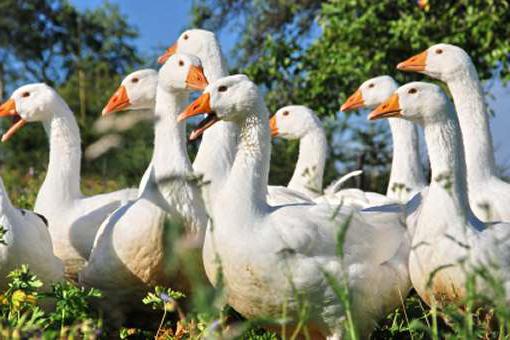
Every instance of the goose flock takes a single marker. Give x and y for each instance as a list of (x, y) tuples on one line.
[(273, 249)]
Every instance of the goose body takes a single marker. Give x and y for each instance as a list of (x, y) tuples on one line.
[(449, 242), (73, 218), (406, 176), (489, 196), (269, 254), (131, 252), (26, 241)]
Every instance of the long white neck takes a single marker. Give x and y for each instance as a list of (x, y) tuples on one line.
[(213, 61), (245, 191), (6, 206), (309, 171), (444, 143), (172, 169), (170, 156), (467, 93), (218, 147), (406, 168), (62, 180)]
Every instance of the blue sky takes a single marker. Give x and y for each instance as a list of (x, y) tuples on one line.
[(160, 22)]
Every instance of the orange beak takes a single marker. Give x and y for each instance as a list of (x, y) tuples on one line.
[(414, 64), (273, 127), (200, 106), (196, 79), (390, 108), (355, 101), (168, 53), (118, 102), (9, 109)]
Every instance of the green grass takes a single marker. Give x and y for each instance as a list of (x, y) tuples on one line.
[(73, 317)]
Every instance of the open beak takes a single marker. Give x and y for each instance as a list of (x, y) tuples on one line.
[(355, 101), (168, 53), (390, 108), (273, 127), (414, 64), (9, 109), (118, 102), (196, 79), (200, 106)]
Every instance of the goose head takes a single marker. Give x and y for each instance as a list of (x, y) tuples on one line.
[(293, 122), (231, 98), (192, 41), (182, 72), (31, 103), (136, 92), (441, 61), (371, 93), (419, 102)]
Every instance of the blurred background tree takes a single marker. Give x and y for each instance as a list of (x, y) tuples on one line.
[(83, 55), (316, 53)]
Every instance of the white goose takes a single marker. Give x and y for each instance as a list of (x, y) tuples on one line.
[(489, 196), (26, 241), (137, 91), (219, 142), (406, 177), (449, 240), (73, 218), (129, 253), (270, 255), (300, 122)]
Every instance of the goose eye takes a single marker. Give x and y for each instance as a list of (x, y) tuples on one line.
[(439, 51), (412, 91), (181, 63), (371, 85), (135, 80), (285, 113), (222, 88), (25, 94), (185, 37)]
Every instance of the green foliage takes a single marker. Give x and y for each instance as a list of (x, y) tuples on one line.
[(258, 19), (163, 298), (19, 301), (23, 279), (316, 53), (49, 36), (72, 303), (20, 309)]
